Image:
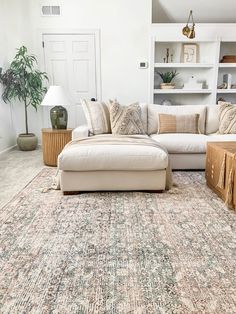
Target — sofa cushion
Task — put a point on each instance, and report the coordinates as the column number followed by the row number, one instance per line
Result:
column 216, row 137
column 227, row 119
column 153, row 111
column 178, row 143
column 169, row 123
column 112, row 157
column 97, row 116
column 126, row 120
column 144, row 116
column 212, row 119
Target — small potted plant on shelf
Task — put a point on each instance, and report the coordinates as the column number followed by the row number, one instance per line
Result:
column 167, row 79
column 24, row 82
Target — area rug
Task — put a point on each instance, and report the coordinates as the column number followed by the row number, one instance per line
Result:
column 118, row 252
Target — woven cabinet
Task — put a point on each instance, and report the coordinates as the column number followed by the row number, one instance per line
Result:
column 221, row 170
column 53, row 142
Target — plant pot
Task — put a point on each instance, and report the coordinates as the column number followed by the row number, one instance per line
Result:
column 167, row 85
column 27, row 142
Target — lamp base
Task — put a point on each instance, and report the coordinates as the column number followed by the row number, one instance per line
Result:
column 59, row 117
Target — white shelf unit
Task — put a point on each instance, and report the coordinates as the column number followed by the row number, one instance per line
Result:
column 182, row 91
column 184, row 65
column 227, row 65
column 227, row 47
column 226, row 91
column 213, row 42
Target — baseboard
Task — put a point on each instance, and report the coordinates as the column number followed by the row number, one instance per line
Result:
column 7, row 149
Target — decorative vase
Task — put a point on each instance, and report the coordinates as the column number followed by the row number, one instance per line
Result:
column 166, row 102
column 59, row 117
column 27, row 142
column 167, row 85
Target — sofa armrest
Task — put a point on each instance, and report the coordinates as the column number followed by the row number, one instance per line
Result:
column 80, row 132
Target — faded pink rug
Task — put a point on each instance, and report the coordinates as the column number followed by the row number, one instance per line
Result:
column 118, row 252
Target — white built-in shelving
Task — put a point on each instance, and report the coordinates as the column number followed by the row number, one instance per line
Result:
column 182, row 91
column 184, row 65
column 227, row 65
column 213, row 42
column 226, row 91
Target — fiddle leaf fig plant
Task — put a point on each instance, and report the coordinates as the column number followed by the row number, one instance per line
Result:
column 23, row 81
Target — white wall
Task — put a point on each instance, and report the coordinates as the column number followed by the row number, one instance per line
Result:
column 13, row 16
column 7, row 134
column 124, row 28
column 210, row 11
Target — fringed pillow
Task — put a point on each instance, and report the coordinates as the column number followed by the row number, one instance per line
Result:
column 227, row 119
column 126, row 120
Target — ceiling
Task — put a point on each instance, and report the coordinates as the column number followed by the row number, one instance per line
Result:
column 205, row 11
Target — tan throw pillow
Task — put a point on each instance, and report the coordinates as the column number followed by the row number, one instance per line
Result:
column 97, row 116
column 227, row 119
column 169, row 123
column 126, row 120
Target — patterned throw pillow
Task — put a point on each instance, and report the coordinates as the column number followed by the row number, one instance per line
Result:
column 97, row 116
column 227, row 119
column 169, row 123
column 126, row 120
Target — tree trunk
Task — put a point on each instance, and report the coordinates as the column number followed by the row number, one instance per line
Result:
column 26, row 119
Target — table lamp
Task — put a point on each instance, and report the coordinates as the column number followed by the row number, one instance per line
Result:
column 56, row 97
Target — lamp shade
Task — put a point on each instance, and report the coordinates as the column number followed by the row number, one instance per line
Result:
column 55, row 96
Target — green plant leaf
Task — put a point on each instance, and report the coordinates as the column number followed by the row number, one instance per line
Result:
column 167, row 77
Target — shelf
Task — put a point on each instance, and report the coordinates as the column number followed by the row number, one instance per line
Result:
column 209, row 70
column 227, row 65
column 183, row 65
column 183, row 91
column 226, row 91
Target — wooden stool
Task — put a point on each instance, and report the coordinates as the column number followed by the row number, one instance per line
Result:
column 53, row 142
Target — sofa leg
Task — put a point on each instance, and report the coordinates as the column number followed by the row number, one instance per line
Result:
column 81, row 192
column 71, row 192
column 155, row 191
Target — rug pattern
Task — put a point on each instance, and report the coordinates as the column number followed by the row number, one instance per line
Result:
column 118, row 252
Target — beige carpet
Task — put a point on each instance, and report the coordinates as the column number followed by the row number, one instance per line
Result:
column 118, row 252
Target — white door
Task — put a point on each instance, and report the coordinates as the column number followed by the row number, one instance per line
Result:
column 70, row 61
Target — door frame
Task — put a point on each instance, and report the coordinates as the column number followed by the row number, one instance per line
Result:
column 97, row 37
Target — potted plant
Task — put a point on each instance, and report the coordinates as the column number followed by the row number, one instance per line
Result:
column 167, row 79
column 24, row 82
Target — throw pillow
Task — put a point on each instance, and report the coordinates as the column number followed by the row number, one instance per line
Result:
column 221, row 102
column 169, row 123
column 126, row 120
column 227, row 119
column 97, row 116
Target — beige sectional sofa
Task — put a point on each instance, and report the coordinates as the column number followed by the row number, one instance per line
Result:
column 186, row 151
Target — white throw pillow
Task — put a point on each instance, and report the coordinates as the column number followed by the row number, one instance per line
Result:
column 212, row 118
column 97, row 116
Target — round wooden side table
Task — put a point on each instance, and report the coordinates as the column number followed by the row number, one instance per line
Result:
column 53, row 142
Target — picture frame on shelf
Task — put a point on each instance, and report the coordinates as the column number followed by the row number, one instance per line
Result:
column 190, row 53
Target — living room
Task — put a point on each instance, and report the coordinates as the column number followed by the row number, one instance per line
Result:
column 117, row 156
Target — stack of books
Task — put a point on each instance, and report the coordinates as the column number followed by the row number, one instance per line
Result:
column 228, row 59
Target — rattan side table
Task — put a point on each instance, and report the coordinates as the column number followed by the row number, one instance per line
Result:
column 53, row 142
